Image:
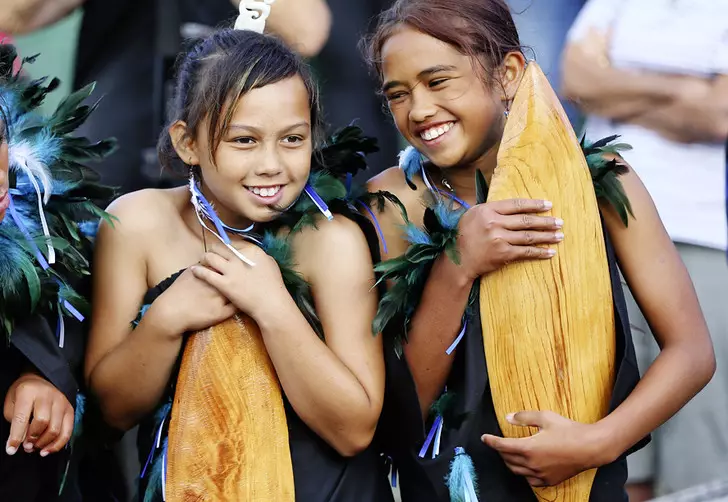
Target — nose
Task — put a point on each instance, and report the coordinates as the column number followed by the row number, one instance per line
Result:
column 422, row 105
column 270, row 163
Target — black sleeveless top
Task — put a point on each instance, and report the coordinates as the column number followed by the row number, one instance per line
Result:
column 402, row 431
column 320, row 474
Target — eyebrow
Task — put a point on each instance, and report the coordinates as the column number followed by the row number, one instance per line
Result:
column 254, row 129
column 424, row 73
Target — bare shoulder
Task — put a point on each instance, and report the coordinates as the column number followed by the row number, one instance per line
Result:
column 329, row 243
column 143, row 212
column 393, row 180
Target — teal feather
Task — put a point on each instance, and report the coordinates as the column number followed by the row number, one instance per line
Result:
column 26, row 288
column 462, row 481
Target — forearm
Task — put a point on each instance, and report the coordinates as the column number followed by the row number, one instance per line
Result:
column 24, row 16
column 302, row 24
column 678, row 374
column 700, row 116
column 323, row 391
column 434, row 327
column 130, row 380
column 600, row 89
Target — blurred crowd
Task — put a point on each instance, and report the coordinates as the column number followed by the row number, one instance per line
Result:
column 654, row 72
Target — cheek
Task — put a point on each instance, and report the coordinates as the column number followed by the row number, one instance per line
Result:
column 400, row 115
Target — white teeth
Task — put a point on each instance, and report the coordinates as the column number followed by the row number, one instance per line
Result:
column 436, row 132
column 265, row 191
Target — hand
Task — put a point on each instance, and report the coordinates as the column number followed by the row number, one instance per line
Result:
column 250, row 288
column 52, row 416
column 496, row 233
column 560, row 450
column 191, row 304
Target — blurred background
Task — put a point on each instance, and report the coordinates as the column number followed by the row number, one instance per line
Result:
column 653, row 71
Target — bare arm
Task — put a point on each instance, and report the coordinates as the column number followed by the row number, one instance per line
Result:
column 700, row 116
column 665, row 294
column 127, row 370
column 660, row 283
column 302, row 24
column 24, row 16
column 599, row 88
column 336, row 386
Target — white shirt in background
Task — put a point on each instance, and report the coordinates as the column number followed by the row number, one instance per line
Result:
column 686, row 181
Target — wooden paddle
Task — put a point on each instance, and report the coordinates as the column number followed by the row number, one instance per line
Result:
column 228, row 436
column 548, row 326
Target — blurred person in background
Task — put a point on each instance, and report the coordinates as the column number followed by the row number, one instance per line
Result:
column 656, row 73
column 128, row 46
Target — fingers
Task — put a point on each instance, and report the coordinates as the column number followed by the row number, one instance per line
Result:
column 19, row 424
column 64, row 436
column 504, row 445
column 517, row 206
column 208, row 275
column 214, row 261
column 532, row 237
column 54, row 426
column 531, row 222
column 528, row 418
column 39, row 424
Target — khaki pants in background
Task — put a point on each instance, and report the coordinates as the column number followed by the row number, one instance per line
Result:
column 692, row 447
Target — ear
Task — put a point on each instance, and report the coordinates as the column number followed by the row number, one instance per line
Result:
column 513, row 68
column 183, row 143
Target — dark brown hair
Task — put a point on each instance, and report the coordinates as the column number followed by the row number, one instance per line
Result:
column 482, row 29
column 216, row 72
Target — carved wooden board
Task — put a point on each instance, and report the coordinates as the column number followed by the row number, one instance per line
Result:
column 548, row 326
column 228, row 436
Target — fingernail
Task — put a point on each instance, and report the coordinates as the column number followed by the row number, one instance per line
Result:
column 44, row 453
column 547, row 204
column 28, row 446
column 510, row 417
column 10, row 450
column 551, row 252
column 559, row 222
column 559, row 236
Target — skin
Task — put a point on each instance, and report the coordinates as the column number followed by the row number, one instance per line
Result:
column 335, row 387
column 40, row 416
column 682, row 108
column 492, row 235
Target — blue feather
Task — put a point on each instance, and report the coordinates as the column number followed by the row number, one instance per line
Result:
column 461, row 481
column 410, row 161
column 416, row 235
column 447, row 214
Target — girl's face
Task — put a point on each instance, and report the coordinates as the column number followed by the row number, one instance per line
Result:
column 439, row 101
column 263, row 161
column 4, row 181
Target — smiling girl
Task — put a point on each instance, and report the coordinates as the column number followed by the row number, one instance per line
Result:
column 245, row 125
column 449, row 70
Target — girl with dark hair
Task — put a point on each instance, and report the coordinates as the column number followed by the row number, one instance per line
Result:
column 246, row 131
column 449, row 71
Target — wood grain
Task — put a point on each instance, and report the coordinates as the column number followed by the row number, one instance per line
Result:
column 548, row 326
column 228, row 436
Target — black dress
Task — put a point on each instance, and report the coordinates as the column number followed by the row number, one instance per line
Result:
column 320, row 474
column 402, row 431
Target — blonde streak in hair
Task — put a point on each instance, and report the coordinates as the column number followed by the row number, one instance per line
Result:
column 217, row 130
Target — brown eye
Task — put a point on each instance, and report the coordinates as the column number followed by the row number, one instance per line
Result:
column 437, row 82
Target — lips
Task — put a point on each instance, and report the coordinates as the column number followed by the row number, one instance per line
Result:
column 269, row 191
column 435, row 131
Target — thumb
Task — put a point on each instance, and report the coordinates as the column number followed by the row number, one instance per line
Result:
column 528, row 419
